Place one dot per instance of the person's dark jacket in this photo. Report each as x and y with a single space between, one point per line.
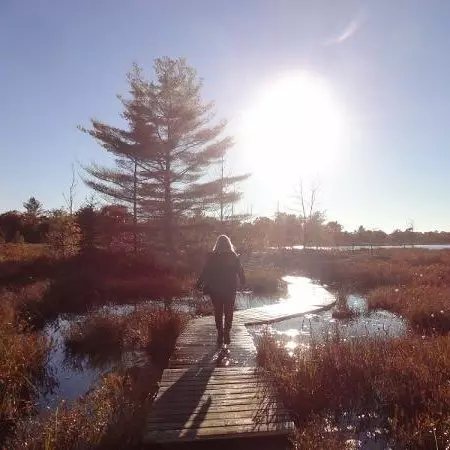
220 274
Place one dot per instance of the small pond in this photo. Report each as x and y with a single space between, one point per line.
298 331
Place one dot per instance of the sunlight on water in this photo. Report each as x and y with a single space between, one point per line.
297 333
292 332
304 290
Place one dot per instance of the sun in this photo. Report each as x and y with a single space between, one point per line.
295 128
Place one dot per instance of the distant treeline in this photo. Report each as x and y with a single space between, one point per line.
290 229
111 227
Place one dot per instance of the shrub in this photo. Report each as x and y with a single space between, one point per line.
64 236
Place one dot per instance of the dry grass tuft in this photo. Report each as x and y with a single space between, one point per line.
102 337
403 383
264 281
22 252
109 417
113 414
23 356
426 307
412 283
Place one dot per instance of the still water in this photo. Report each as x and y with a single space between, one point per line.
299 331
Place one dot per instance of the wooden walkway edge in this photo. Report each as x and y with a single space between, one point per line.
198 399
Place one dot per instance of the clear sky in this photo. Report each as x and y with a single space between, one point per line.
386 61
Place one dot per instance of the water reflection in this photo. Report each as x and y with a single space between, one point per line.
299 331
374 247
72 382
304 290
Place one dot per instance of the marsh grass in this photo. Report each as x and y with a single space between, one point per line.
265 281
23 358
111 416
103 338
427 308
363 271
412 283
22 252
87 281
403 383
341 309
38 288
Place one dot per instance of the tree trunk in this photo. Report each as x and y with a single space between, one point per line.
305 234
221 193
135 244
168 219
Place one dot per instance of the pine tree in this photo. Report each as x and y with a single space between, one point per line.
33 207
162 159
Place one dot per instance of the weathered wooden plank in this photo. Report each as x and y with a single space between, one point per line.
237 359
217 371
187 374
218 432
232 411
215 420
243 410
207 354
221 381
218 381
216 405
213 389
204 423
188 397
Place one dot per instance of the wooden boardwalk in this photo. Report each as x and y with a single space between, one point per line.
199 398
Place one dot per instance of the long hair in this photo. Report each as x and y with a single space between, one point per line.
223 245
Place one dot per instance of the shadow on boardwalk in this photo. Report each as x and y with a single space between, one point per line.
193 407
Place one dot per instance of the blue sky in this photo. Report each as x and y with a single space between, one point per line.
64 62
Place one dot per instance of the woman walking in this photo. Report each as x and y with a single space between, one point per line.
219 279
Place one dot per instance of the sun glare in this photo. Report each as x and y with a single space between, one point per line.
295 127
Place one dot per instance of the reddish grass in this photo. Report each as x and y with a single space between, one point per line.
264 281
22 252
113 414
403 382
102 337
23 356
426 307
85 282
362 270
109 417
41 288
412 283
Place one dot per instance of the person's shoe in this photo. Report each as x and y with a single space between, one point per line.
226 338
